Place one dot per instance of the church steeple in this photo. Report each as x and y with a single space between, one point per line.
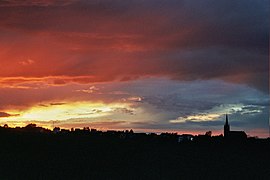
226 127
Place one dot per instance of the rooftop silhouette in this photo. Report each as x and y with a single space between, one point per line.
233 135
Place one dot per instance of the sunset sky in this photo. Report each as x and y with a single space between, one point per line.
147 65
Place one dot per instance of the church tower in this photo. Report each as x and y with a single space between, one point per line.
226 127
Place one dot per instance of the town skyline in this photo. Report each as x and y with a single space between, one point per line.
56 129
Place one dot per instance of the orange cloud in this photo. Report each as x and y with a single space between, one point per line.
42 82
125 41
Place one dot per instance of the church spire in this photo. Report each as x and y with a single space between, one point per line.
227 123
226 127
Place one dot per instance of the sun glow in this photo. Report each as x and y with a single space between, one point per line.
65 111
197 118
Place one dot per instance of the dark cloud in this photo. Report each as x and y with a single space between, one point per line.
181 23
4 114
126 40
12 3
57 104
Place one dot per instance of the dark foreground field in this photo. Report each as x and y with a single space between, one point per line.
83 157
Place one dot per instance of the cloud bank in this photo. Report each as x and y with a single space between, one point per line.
120 41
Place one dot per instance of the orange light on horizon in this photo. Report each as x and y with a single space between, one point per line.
65 111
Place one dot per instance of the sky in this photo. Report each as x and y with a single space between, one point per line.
147 65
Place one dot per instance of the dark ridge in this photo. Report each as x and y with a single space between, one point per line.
36 153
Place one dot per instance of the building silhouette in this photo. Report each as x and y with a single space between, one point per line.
233 135
226 127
